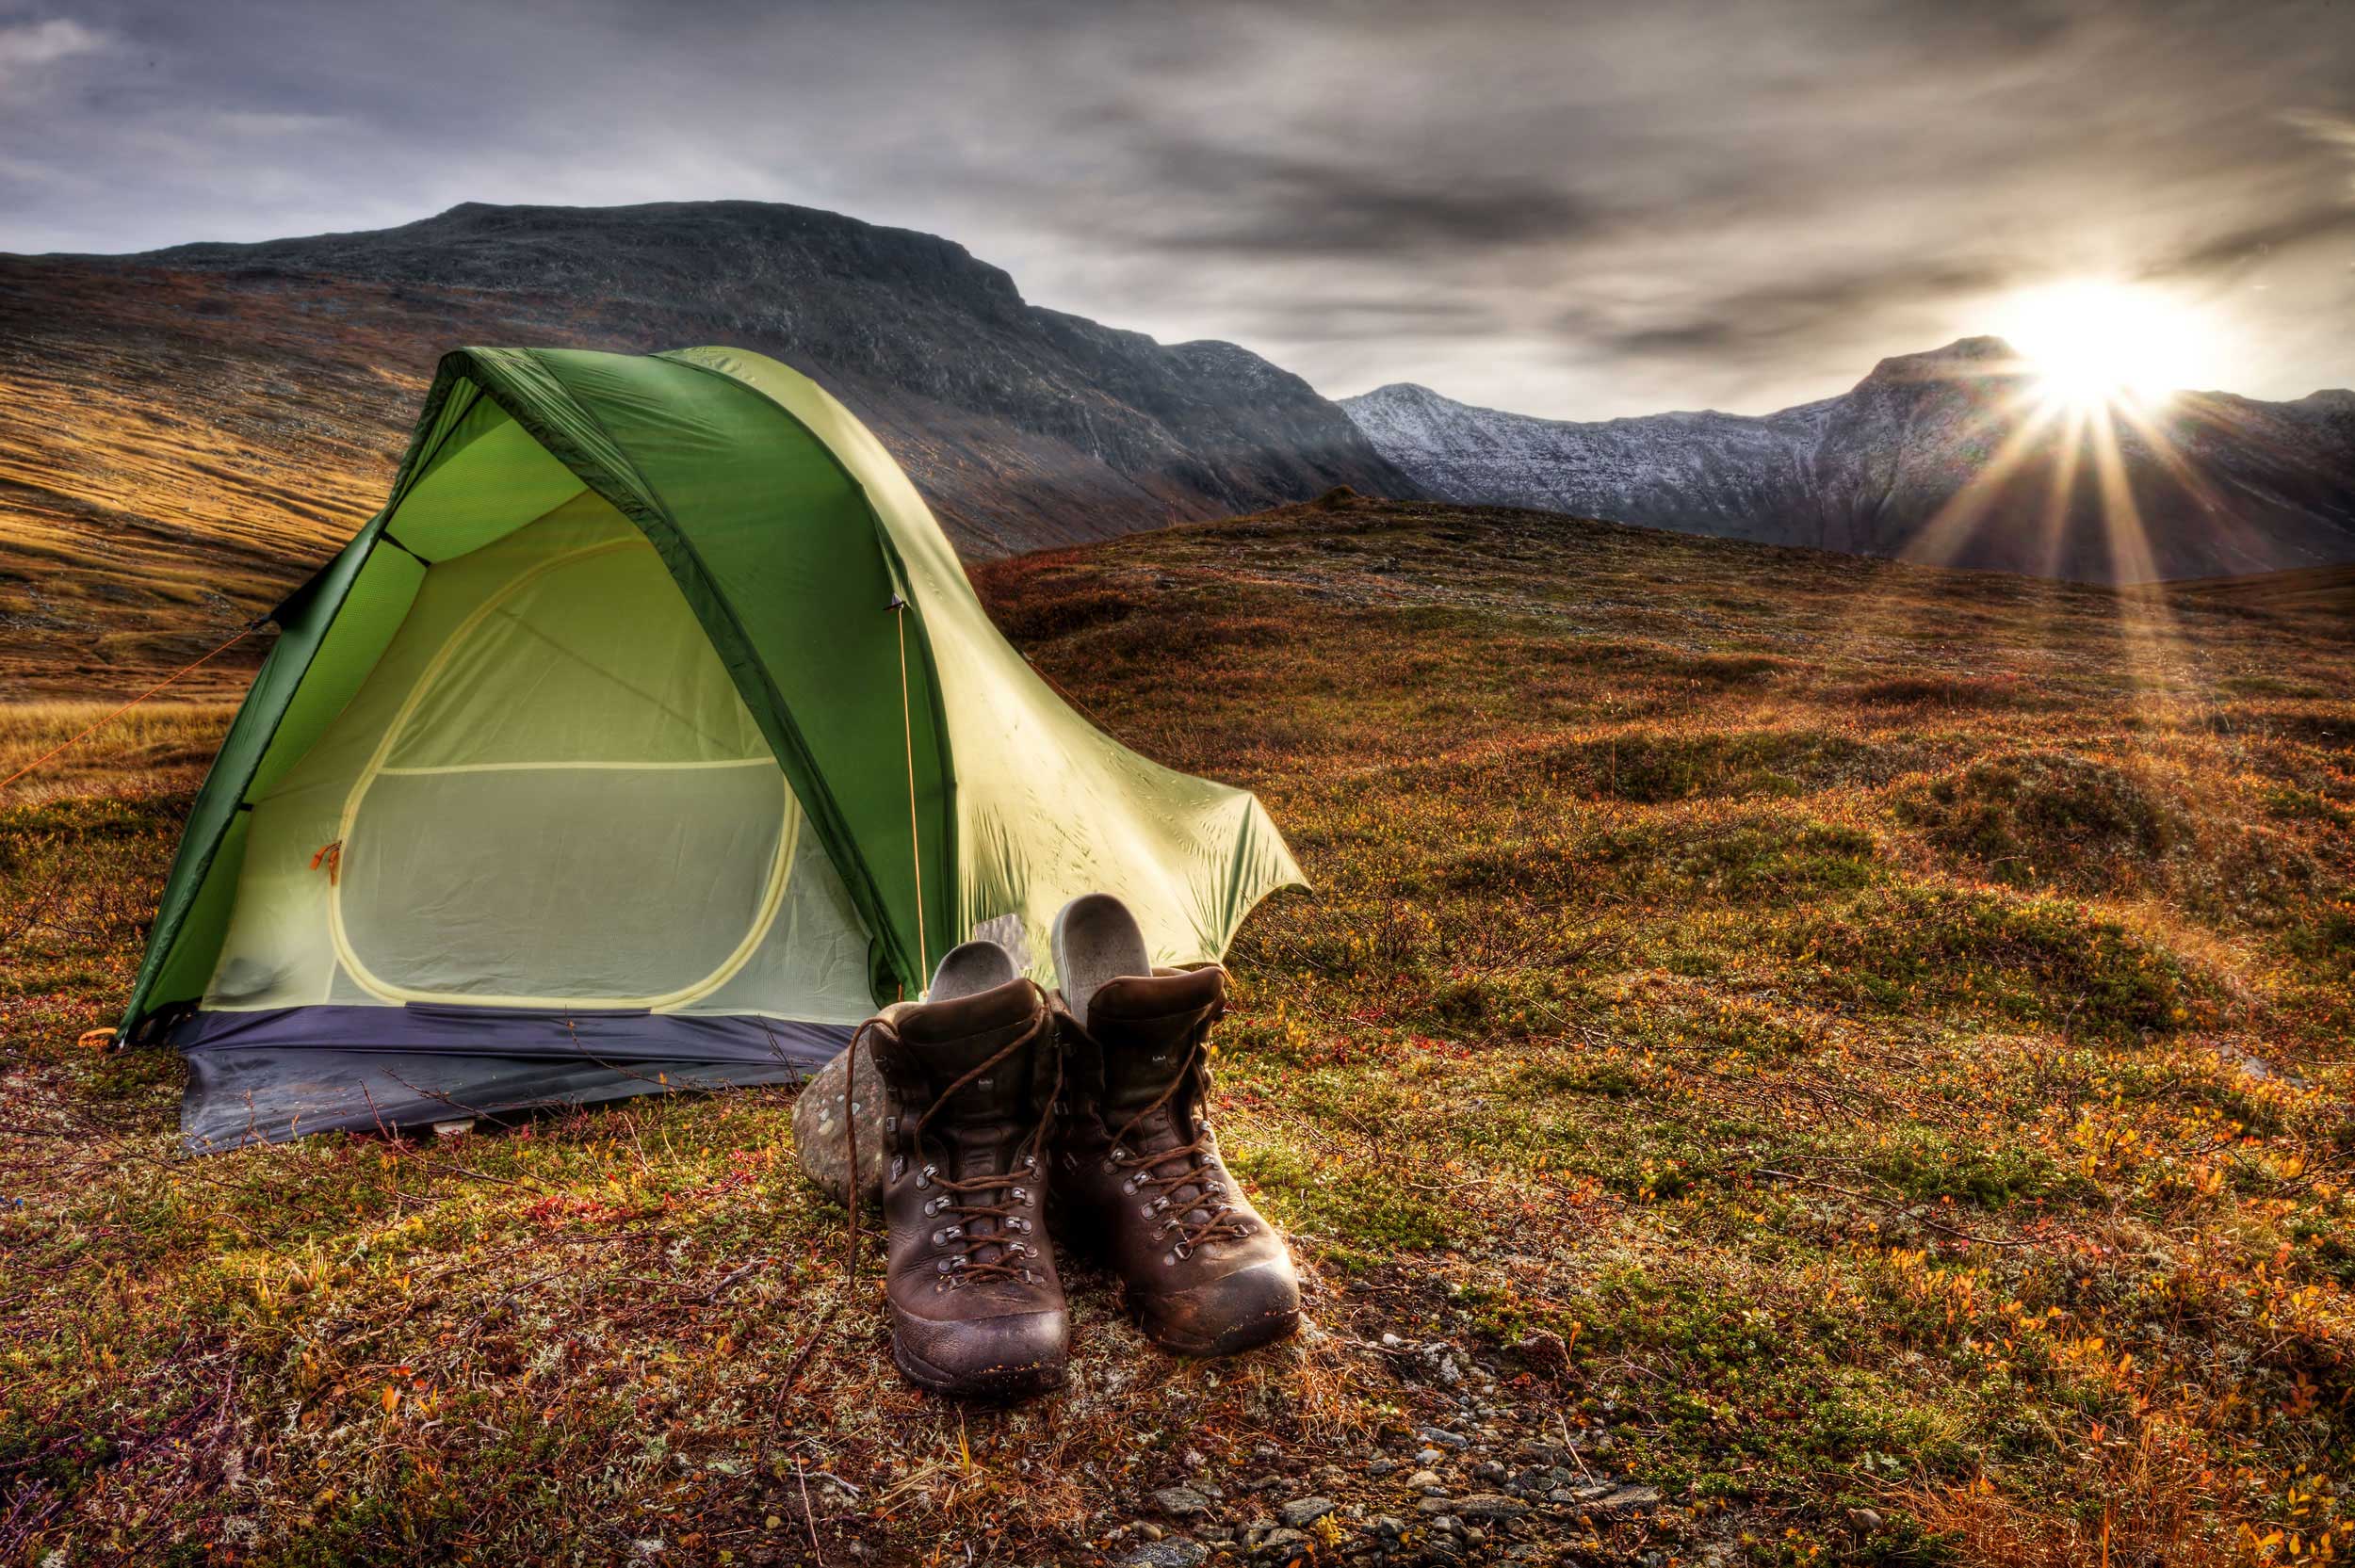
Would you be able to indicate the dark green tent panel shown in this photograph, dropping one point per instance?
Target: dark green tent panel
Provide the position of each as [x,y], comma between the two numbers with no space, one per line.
[648,737]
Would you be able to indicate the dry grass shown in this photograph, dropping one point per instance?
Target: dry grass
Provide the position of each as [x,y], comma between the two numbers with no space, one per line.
[1860,1049]
[158,746]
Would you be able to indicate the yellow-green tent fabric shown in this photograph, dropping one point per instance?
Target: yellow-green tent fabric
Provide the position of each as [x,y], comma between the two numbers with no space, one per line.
[648,737]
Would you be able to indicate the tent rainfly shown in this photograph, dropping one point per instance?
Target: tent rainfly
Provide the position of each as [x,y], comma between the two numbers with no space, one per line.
[648,739]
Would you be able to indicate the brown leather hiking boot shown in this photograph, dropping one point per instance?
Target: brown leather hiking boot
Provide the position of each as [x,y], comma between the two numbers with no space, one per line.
[1137,1173]
[969,1085]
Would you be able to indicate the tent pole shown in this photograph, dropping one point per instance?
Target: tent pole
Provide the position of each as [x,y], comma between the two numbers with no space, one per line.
[915,844]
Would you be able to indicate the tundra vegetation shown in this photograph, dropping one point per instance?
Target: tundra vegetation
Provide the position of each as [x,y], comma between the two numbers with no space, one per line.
[1854,1050]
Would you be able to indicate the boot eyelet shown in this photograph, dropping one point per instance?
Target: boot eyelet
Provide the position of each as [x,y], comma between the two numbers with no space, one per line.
[1020,1194]
[924,1177]
[1129,1187]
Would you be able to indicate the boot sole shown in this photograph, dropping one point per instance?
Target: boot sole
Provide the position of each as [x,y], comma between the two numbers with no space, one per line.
[996,1386]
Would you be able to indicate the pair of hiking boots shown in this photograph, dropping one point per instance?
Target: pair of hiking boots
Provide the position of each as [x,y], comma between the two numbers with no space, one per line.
[1013,1119]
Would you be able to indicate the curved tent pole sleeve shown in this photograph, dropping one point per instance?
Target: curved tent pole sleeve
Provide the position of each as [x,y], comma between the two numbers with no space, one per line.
[946,856]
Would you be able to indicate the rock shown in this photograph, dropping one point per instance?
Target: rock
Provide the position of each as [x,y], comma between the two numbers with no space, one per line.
[1625,1499]
[1378,1466]
[818,1139]
[1389,1526]
[1194,1460]
[1440,1437]
[1422,1480]
[1181,1502]
[1283,1546]
[1149,1530]
[1176,1552]
[1428,1456]
[1489,1470]
[1265,1451]
[1303,1512]
[1490,1506]
[1864,1519]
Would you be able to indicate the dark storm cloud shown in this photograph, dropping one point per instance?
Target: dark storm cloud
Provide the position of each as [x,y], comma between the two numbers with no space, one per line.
[1579,209]
[1272,204]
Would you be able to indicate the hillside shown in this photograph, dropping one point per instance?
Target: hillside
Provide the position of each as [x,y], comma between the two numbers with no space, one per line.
[1789,1060]
[1943,458]
[180,429]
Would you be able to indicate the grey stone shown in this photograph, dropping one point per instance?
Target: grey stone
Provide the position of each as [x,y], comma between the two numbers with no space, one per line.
[1181,1502]
[1490,1505]
[1441,1438]
[819,1137]
[1422,1480]
[1284,1545]
[1176,1552]
[1626,1499]
[1389,1525]
[1428,1456]
[1303,1512]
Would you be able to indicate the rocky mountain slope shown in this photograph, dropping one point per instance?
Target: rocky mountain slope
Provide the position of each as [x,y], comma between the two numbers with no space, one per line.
[181,433]
[1948,457]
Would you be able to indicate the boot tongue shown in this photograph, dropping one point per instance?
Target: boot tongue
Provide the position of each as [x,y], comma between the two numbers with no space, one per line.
[944,1040]
[1145,1024]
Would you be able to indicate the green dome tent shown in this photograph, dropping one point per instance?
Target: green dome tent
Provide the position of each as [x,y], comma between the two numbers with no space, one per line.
[648,737]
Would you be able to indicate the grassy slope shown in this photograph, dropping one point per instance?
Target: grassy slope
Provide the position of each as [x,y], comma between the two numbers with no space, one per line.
[1853,1048]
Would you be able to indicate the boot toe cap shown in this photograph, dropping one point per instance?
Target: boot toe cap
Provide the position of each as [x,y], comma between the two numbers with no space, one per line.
[1005,1357]
[1255,1305]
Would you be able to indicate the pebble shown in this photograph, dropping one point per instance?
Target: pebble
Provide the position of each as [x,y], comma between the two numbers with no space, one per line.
[1489,1470]
[1286,1545]
[1177,1553]
[1422,1480]
[1264,1451]
[1491,1506]
[1621,1499]
[1379,1467]
[1303,1512]
[1441,1438]
[1181,1502]
[1428,1456]
[1194,1460]
[1390,1526]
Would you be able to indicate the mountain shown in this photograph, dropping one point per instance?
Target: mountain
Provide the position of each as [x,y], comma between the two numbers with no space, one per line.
[183,432]
[1943,456]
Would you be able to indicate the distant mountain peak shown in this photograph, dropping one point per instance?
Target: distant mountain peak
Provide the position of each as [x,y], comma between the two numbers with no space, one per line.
[1904,462]
[1024,426]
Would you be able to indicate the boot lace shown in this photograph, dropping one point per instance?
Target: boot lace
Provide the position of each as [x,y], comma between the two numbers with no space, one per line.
[1159,1176]
[964,1201]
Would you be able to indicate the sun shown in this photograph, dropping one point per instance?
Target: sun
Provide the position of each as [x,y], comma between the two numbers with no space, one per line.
[2093,342]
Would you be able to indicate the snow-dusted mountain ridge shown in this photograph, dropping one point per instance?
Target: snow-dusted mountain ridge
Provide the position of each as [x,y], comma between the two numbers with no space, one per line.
[1947,456]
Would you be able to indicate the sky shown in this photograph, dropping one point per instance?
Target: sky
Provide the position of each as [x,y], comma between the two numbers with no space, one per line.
[1579,211]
